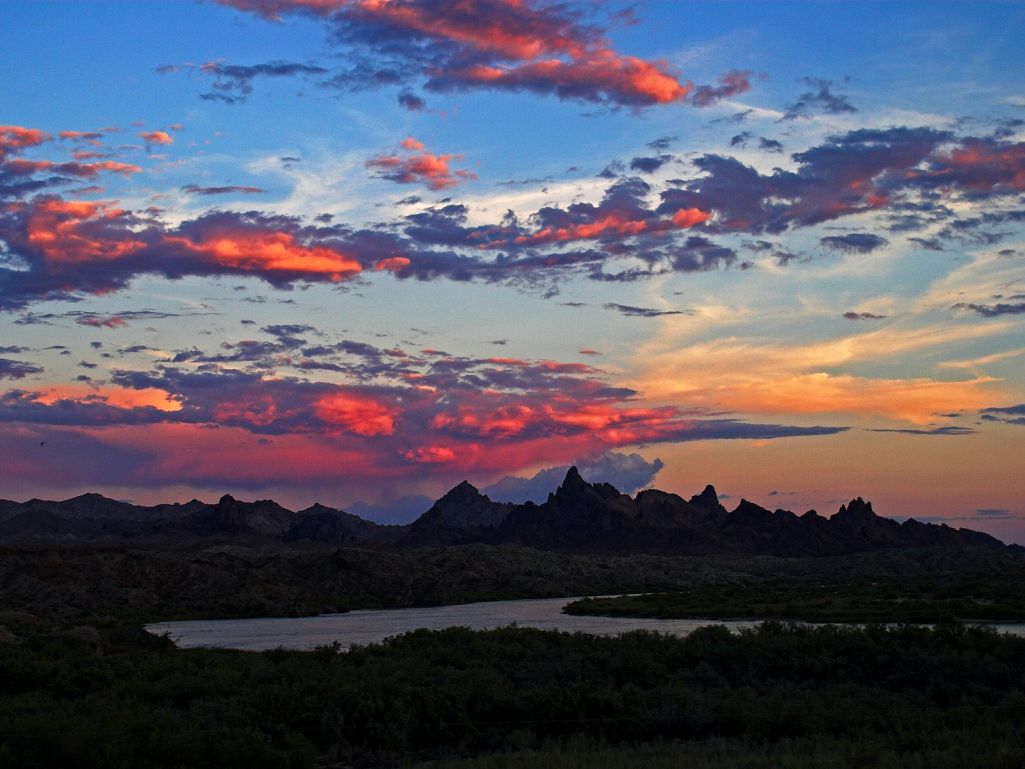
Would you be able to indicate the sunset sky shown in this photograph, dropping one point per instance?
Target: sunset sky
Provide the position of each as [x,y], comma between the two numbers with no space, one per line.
[355,251]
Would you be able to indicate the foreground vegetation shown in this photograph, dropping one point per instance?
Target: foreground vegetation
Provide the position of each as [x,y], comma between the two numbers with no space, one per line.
[951,598]
[948,749]
[806,696]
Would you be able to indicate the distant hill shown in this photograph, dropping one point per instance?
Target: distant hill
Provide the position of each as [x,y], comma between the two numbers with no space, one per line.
[578,517]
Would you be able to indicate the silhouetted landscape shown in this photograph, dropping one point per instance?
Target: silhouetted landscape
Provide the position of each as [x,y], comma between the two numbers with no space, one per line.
[234,558]
[85,686]
[578,517]
[397,343]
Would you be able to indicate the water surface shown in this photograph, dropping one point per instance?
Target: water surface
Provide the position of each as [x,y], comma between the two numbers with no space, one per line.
[362,627]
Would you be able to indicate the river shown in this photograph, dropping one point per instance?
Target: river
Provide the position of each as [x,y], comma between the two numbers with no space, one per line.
[357,628]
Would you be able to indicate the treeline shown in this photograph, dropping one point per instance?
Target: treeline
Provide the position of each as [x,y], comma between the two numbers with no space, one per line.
[93,584]
[943,598]
[141,703]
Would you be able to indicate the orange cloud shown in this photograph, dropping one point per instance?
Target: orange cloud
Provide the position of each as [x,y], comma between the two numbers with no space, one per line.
[157,137]
[916,400]
[269,252]
[688,217]
[148,397]
[762,377]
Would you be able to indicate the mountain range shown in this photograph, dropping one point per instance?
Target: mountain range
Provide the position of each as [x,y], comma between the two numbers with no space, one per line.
[578,517]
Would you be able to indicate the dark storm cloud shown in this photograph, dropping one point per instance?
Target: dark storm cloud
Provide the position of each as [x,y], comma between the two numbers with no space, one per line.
[992,310]
[649,165]
[195,189]
[639,312]
[731,84]
[233,83]
[854,243]
[821,98]
[1012,415]
[948,430]
[16,369]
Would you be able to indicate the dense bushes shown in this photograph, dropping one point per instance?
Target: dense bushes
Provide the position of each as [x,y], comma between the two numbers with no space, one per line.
[458,692]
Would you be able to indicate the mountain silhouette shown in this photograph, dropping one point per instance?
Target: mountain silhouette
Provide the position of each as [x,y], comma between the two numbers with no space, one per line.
[578,517]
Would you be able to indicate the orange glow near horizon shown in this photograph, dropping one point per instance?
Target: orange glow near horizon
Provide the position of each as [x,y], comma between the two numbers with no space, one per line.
[125,398]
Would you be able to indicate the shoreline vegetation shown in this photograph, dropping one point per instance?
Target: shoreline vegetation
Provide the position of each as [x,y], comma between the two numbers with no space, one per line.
[978,598]
[775,695]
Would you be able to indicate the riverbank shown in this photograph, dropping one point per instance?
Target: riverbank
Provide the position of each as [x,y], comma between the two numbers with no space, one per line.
[976,598]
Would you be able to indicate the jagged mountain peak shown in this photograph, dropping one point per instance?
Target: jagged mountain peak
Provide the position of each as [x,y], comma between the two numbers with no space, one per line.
[856,511]
[708,499]
[573,482]
[578,517]
[462,490]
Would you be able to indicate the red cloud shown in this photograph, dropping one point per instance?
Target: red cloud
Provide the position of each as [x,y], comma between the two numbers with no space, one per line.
[421,167]
[74,231]
[357,414]
[514,44]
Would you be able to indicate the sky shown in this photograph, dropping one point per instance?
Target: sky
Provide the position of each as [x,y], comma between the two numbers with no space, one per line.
[356,251]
